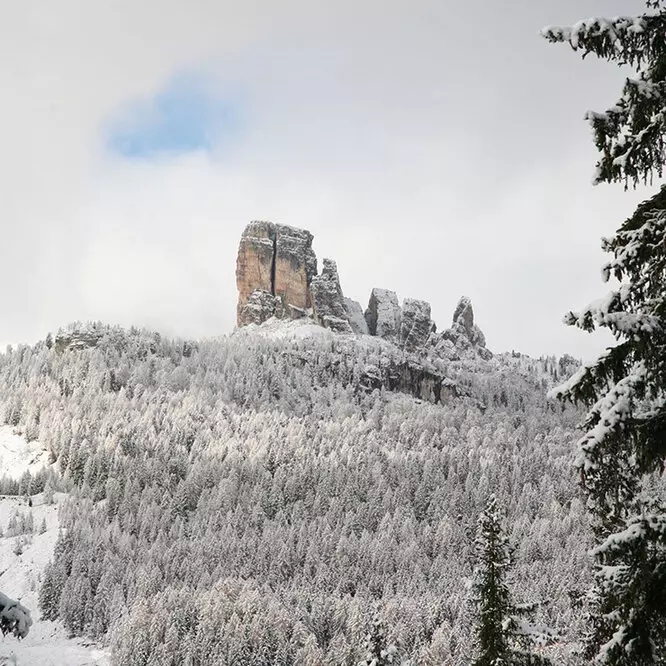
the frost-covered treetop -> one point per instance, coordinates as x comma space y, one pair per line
630, 133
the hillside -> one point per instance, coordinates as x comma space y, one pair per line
255, 499
28, 537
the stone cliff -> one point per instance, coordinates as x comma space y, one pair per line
276, 274
274, 270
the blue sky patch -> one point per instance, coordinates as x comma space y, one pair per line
184, 117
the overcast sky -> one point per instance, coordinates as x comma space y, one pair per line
436, 148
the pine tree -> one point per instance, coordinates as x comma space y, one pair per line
625, 429
491, 592
503, 637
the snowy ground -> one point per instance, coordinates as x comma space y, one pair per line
17, 456
47, 643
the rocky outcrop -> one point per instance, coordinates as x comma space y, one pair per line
415, 324
412, 378
383, 315
260, 306
277, 260
276, 273
356, 317
254, 265
77, 339
464, 336
328, 306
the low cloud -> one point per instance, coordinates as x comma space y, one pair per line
430, 151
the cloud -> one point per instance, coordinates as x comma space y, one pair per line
432, 148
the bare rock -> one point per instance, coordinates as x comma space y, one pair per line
295, 266
355, 317
278, 260
327, 299
383, 315
254, 265
77, 339
415, 324
464, 336
412, 377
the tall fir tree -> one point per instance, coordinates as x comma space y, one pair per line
624, 446
503, 637
491, 592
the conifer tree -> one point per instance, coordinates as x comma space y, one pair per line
625, 429
491, 592
503, 638
630, 135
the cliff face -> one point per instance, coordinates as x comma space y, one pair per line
276, 274
277, 261
295, 266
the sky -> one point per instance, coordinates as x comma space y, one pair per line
435, 148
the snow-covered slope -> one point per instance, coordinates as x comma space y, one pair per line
213, 480
17, 456
22, 561
20, 575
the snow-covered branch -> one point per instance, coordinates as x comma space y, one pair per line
14, 617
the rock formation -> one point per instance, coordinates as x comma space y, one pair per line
276, 273
295, 266
356, 317
383, 315
415, 325
260, 306
279, 261
328, 306
77, 339
413, 378
464, 335
254, 266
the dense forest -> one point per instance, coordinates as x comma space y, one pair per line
245, 501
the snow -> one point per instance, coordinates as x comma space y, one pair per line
17, 456
15, 616
46, 643
282, 329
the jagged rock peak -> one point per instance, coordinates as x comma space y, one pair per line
278, 260
464, 335
328, 306
276, 273
383, 314
464, 313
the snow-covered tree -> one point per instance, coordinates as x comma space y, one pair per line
503, 637
622, 450
491, 591
630, 135
623, 444
260, 514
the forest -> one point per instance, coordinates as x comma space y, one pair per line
231, 506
